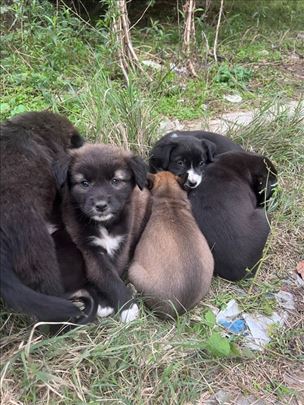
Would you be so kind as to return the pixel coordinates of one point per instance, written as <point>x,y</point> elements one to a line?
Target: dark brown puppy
<point>173,264</point>
<point>33,146</point>
<point>101,215</point>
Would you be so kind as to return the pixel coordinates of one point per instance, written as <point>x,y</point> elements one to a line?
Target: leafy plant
<point>233,76</point>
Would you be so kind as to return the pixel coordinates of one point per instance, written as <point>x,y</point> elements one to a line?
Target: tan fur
<point>173,264</point>
<point>139,214</point>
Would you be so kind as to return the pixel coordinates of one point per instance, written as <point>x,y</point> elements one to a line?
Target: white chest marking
<point>107,241</point>
<point>51,228</point>
<point>194,177</point>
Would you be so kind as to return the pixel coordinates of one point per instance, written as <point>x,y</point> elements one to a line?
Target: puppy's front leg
<point>101,272</point>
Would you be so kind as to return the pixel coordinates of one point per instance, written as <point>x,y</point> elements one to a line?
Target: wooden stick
<point>217,30</point>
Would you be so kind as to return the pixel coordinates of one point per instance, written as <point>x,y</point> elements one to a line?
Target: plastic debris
<point>300,269</point>
<point>255,328</point>
<point>231,311</point>
<point>236,327</point>
<point>259,328</point>
<point>178,70</point>
<point>285,299</point>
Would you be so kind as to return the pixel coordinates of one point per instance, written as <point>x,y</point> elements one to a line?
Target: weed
<point>236,76</point>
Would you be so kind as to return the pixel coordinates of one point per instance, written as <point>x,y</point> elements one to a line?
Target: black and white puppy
<point>99,213</point>
<point>187,152</point>
<point>225,208</point>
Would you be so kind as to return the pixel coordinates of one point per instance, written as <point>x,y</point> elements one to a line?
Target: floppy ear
<point>150,181</point>
<point>76,140</point>
<point>182,179</point>
<point>160,156</point>
<point>210,149</point>
<point>139,170</point>
<point>60,168</point>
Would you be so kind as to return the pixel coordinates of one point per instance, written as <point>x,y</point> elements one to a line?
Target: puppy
<point>173,264</point>
<point>32,145</point>
<point>100,216</point>
<point>188,152</point>
<point>225,208</point>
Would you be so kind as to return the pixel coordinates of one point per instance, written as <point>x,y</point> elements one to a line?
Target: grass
<point>52,60</point>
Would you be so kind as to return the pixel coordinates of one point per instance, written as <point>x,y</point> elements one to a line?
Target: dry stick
<point>141,17</point>
<point>127,38</point>
<point>217,30</point>
<point>207,7</point>
<point>189,32</point>
<point>121,56</point>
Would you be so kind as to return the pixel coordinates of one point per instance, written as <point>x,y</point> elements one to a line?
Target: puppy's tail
<point>80,307</point>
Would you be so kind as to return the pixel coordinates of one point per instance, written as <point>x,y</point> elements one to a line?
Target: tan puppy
<point>173,264</point>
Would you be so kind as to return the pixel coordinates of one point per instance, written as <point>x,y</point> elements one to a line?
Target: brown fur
<point>173,264</point>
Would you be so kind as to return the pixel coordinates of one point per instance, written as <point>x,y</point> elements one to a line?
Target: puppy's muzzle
<point>101,206</point>
<point>194,179</point>
<point>191,184</point>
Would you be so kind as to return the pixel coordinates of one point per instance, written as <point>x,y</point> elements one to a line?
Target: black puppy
<point>188,152</point>
<point>32,144</point>
<point>99,213</point>
<point>225,208</point>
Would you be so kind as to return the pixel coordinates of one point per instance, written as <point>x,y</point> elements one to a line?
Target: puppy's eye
<point>85,183</point>
<point>180,162</point>
<point>202,163</point>
<point>115,181</point>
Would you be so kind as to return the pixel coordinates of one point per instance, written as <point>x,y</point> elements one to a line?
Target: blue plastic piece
<point>237,326</point>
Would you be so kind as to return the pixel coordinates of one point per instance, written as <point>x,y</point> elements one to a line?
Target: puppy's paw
<point>129,314</point>
<point>103,312</point>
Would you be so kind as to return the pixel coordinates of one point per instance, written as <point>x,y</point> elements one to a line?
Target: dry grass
<point>154,362</point>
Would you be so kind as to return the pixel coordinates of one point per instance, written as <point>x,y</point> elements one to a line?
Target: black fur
<point>186,146</point>
<point>225,208</point>
<point>97,201</point>
<point>31,282</point>
<point>181,151</point>
<point>187,142</point>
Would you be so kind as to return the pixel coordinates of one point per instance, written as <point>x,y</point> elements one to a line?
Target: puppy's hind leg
<point>139,277</point>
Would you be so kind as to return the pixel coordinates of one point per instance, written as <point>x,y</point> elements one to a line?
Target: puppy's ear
<point>150,181</point>
<point>76,140</point>
<point>60,169</point>
<point>210,149</point>
<point>160,156</point>
<point>139,170</point>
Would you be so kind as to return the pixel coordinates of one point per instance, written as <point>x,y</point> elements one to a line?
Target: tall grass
<point>114,113</point>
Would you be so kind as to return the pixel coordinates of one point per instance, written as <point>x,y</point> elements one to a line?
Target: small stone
<point>233,98</point>
<point>152,64</point>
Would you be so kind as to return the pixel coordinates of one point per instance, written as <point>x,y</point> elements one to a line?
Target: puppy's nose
<point>101,206</point>
<point>191,184</point>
